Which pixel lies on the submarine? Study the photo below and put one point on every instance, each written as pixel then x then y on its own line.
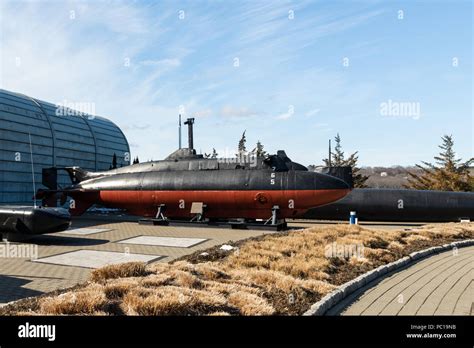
pixel 399 205
pixel 27 220
pixel 186 185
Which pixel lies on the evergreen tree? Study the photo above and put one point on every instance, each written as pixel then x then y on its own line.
pixel 338 160
pixel 242 148
pixel 259 151
pixel 448 174
pixel 338 155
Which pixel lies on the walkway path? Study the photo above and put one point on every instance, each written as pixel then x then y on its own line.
pixel 438 285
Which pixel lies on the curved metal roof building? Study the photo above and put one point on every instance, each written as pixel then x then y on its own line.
pixel 57 138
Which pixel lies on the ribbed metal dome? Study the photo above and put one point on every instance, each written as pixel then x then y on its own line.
pixel 57 140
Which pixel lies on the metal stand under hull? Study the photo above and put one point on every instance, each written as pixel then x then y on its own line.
pixel 279 226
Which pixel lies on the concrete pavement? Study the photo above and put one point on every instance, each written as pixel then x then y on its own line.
pixel 438 285
pixel 22 277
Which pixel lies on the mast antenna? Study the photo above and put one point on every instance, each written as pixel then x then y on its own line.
pixel 179 131
pixel 329 158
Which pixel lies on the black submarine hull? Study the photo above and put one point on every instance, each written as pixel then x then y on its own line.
pixel 26 220
pixel 227 194
pixel 227 189
pixel 399 205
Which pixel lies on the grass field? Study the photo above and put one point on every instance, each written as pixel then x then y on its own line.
pixel 276 274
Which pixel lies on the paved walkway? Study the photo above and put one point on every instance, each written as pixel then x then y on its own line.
pixel 20 277
pixel 438 285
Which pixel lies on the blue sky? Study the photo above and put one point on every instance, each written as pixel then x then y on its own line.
pixel 290 73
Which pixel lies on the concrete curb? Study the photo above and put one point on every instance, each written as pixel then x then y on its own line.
pixel 336 296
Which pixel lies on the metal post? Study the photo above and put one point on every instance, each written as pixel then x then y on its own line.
pixel 329 157
pixel 179 131
pixel 190 123
pixel 274 214
pixel 159 213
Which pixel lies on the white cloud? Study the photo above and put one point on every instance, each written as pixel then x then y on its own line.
pixel 136 127
pixel 203 113
pixel 285 116
pixel 163 63
pixel 237 112
pixel 312 112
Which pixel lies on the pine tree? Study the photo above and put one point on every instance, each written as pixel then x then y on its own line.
pixel 338 155
pixel 338 160
pixel 259 151
pixel 242 148
pixel 448 174
pixel 358 178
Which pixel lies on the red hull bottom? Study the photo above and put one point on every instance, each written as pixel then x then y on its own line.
pixel 219 204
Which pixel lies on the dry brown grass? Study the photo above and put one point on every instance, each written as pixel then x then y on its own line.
pixel 275 274
pixel 90 300
pixel 250 304
pixel 130 269
pixel 172 300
